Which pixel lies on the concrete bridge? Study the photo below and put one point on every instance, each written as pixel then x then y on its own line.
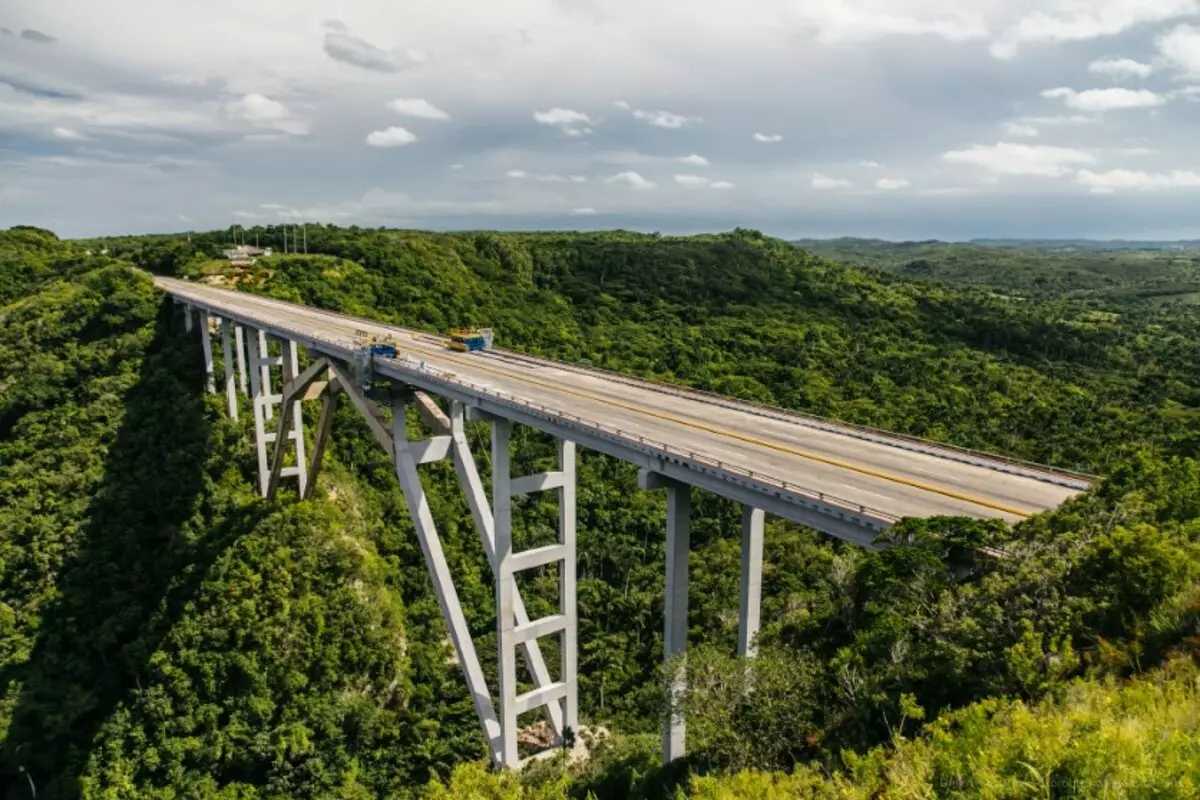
pixel 846 481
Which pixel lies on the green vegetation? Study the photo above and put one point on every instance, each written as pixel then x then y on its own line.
pixel 163 633
pixel 1115 272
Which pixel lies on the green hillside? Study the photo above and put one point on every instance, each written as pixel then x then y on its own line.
pixel 163 633
pixel 1114 272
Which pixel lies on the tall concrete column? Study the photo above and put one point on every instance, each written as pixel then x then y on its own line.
pixel 264 372
pixel 751 599
pixel 261 404
pixel 187 317
pixel 567 585
pixel 227 353
pixel 679 516
pixel 210 383
pixel 291 368
pixel 505 588
pixel 240 344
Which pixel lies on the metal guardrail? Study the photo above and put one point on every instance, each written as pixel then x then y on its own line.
pixel 554 414
pixel 776 412
pixel 791 415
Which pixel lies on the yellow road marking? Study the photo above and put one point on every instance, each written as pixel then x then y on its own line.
pixel 753 440
pixel 834 462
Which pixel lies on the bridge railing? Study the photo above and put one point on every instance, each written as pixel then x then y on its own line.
pixel 1071 478
pixel 1077 479
pixel 764 479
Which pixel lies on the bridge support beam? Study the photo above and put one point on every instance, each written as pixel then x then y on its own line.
pixel 679 525
pixel 290 427
pixel 291 420
pixel 439 573
pixel 227 355
pixel 481 512
pixel 560 698
pixel 751 594
pixel 329 402
pixel 239 338
pixel 187 317
pixel 210 384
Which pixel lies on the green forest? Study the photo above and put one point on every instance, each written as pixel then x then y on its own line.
pixel 1115 272
pixel 164 633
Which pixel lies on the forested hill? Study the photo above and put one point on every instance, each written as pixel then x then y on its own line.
pixel 165 634
pixel 1114 272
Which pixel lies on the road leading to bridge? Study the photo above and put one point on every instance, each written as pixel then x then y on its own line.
pixel 884 474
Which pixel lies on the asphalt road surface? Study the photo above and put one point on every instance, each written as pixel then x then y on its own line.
pixel 881 476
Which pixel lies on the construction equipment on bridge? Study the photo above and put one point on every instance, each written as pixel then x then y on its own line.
pixel 367 351
pixel 469 340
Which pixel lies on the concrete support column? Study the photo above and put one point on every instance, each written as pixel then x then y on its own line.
pixel 240 344
pixel 505 589
pixel 679 516
pixel 264 372
pixel 187 317
pixel 210 384
pixel 567 587
pixel 439 573
pixel 227 354
pixel 751 599
pixel 291 368
pixel 261 403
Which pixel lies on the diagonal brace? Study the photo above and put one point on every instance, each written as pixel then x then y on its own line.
pixel 481 511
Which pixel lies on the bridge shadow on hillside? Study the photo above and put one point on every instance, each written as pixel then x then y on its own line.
pixel 146 547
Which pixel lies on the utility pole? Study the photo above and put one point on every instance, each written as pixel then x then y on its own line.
pixel 304 229
pixel 285 240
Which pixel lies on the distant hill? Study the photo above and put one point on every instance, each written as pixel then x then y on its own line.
pixel 1118 271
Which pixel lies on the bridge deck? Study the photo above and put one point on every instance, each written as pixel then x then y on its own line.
pixel 889 476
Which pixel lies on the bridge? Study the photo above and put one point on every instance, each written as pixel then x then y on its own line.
pixel 846 481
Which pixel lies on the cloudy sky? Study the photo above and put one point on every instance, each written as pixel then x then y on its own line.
pixel 891 118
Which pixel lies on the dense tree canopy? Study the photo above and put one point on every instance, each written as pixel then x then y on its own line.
pixel 164 633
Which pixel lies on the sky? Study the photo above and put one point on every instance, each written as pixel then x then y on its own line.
pixel 899 119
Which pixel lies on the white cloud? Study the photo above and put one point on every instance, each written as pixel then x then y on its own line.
pixel 1019 129
pixel 68 134
pixel 856 21
pixel 693 160
pixel 621 104
pixel 769 138
pixel 518 173
pixel 1100 100
pixel 820 181
pixel 1080 20
pixel 691 180
pixel 186 79
pixel 631 179
pixel 1121 68
pixel 416 107
pixel 1007 158
pixel 583 212
pixel 390 137
pixel 1135 151
pixel 1181 47
pixel 888 184
pixel 720 185
pixel 456 166
pixel 262 111
pixel 665 119
pixel 1060 120
pixel 570 122
pixel 870 164
pixel 577 178
pixel 1108 182
pixel 341 46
